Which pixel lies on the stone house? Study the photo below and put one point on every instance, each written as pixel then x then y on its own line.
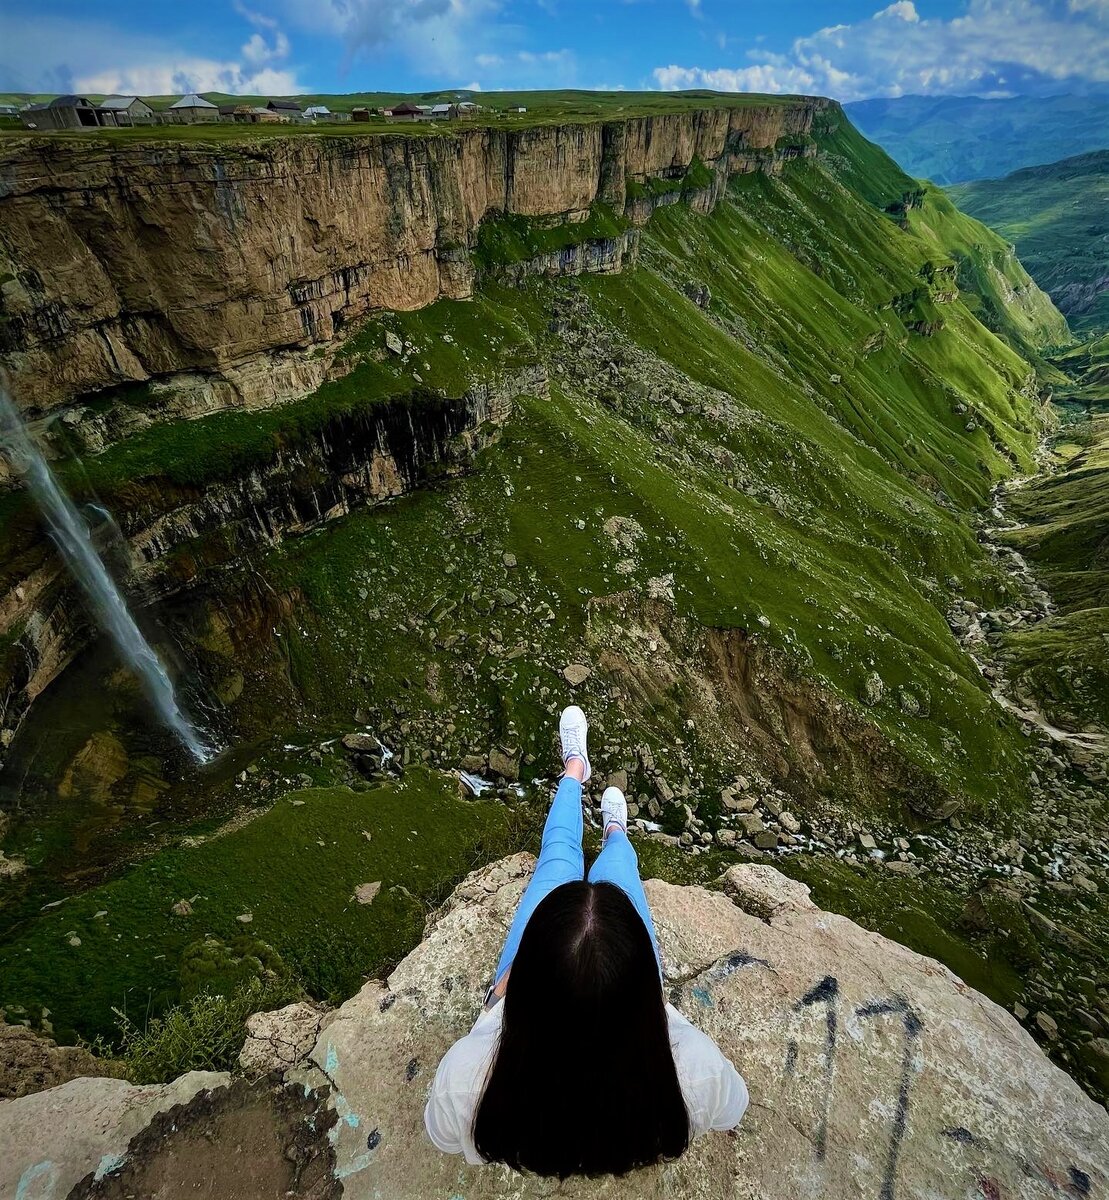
pixel 191 110
pixel 126 110
pixel 405 111
pixel 288 109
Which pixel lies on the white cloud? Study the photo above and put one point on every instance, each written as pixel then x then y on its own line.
pixel 904 10
pixel 62 55
pixel 188 75
pixel 994 47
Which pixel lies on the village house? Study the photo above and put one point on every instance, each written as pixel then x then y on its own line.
pixel 438 112
pixel 405 111
pixel 63 112
pixel 191 110
pixel 360 114
pixel 126 110
pixel 288 109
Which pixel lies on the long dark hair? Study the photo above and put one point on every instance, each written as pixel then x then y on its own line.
pixel 584 1081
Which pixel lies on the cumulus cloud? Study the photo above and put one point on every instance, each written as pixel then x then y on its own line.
pixel 995 46
pixel 61 55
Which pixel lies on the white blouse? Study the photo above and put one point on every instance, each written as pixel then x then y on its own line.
pixel 714 1092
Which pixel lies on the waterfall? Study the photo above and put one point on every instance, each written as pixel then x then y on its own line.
pixel 71 535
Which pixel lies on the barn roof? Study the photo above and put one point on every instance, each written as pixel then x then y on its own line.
pixel 192 100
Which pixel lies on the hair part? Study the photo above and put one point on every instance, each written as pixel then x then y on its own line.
pixel 583 1081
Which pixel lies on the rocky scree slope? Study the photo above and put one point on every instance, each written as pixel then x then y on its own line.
pixel 872 1070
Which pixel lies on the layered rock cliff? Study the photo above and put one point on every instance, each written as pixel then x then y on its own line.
pixel 873 1072
pixel 128 263
pixel 345 461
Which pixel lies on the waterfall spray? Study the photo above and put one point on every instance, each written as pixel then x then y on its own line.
pixel 74 541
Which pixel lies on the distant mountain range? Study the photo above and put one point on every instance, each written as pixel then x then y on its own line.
pixel 954 139
pixel 1057 216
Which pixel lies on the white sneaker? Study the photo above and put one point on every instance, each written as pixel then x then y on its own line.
pixel 614 810
pixel 573 729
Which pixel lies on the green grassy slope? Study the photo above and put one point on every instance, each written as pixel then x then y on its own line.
pixel 796 461
pixel 836 521
pixel 293 871
pixel 1065 536
pixel 1086 367
pixel 952 139
pixel 1058 218
pixel 993 283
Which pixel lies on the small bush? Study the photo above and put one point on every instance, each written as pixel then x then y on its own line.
pixel 204 1034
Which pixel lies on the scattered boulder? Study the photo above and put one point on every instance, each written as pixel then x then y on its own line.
pixel 280 1039
pixel 393 343
pixel 361 743
pixel 1046 1024
pixel 874 689
pixel 183 908
pixel 765 892
pixel 505 764
pixel 31 1062
pixel 576 674
pixel 366 893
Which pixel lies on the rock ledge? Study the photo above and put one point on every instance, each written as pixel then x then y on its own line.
pixel 873 1071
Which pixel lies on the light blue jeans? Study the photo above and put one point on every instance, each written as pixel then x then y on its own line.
pixel 561 860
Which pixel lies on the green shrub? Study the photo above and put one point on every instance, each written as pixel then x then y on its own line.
pixel 221 968
pixel 205 1033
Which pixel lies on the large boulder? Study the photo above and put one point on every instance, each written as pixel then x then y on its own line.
pixel 873 1071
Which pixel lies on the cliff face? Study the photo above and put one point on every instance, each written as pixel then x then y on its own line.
pixel 349 461
pixel 125 263
pixel 873 1071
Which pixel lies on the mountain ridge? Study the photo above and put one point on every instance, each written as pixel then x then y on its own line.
pixel 955 139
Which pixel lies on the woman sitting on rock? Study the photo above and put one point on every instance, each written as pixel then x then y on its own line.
pixel 577 1065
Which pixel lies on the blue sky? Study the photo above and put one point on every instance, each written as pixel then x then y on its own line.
pixel 849 49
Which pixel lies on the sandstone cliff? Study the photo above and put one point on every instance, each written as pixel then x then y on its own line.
pixel 127 263
pixel 874 1072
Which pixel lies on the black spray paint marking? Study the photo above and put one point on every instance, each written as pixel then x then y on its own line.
pixel 374 1140
pixel 914 1027
pixel 735 962
pixel 825 992
pixel 1079 1181
pixel 412 1070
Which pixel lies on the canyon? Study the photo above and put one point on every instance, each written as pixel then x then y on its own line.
pixel 398 442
